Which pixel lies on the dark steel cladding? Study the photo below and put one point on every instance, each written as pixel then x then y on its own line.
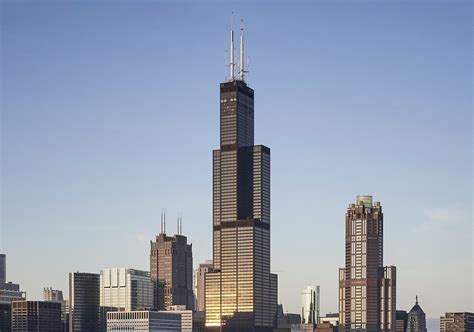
pixel 241 292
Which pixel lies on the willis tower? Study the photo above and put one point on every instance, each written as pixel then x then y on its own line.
pixel 241 293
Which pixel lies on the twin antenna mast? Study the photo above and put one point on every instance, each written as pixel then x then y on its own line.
pixel 242 70
pixel 179 227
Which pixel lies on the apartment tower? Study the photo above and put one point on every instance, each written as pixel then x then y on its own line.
pixel 367 290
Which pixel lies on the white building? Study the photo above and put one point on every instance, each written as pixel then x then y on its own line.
pixel 125 289
pixel 310 305
pixel 143 321
pixel 331 318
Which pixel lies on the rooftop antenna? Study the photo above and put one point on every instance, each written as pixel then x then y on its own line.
pixel 180 224
pixel 177 225
pixel 225 66
pixel 232 64
pixel 416 301
pixel 164 221
pixel 241 57
pixel 161 220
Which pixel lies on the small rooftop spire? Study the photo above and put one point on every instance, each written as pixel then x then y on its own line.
pixel 232 63
pixel 416 299
pixel 241 56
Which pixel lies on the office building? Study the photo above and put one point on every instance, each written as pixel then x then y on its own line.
pixel 200 284
pixel 171 269
pixel 3 269
pixel 416 321
pixel 126 289
pixel 9 291
pixel 50 294
pixel 186 317
pixel 55 295
pixel 5 317
pixel 457 322
pixel 310 305
pixel 84 300
pixel 241 293
pixel 401 321
pixel 143 320
pixel 367 290
pixel 37 316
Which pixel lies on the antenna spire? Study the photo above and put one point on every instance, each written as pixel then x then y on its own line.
pixel 232 63
pixel 161 220
pixel 180 224
pixel 164 221
pixel 241 57
pixel 416 300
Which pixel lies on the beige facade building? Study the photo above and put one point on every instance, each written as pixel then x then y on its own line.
pixel 200 285
pixel 457 322
pixel 171 270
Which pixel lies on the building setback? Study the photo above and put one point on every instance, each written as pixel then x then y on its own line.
pixel 84 312
pixel 457 322
pixel 241 293
pixel 36 316
pixel 367 290
pixel 9 291
pixel 171 269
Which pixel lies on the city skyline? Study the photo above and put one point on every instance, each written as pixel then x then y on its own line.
pixel 133 112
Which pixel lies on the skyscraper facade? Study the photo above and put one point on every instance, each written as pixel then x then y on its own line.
pixel 84 312
pixel 126 289
pixel 200 285
pixel 36 316
pixel 56 295
pixel 310 305
pixel 241 293
pixel 171 269
pixel 367 290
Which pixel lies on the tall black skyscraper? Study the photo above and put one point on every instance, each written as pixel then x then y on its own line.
pixel 241 293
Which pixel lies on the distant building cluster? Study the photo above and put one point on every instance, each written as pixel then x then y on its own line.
pixel 235 291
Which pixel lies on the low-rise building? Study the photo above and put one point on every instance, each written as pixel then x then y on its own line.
pixel 143 321
pixel 331 318
pixel 457 322
pixel 186 317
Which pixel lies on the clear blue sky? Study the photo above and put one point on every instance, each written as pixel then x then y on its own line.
pixel 110 111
